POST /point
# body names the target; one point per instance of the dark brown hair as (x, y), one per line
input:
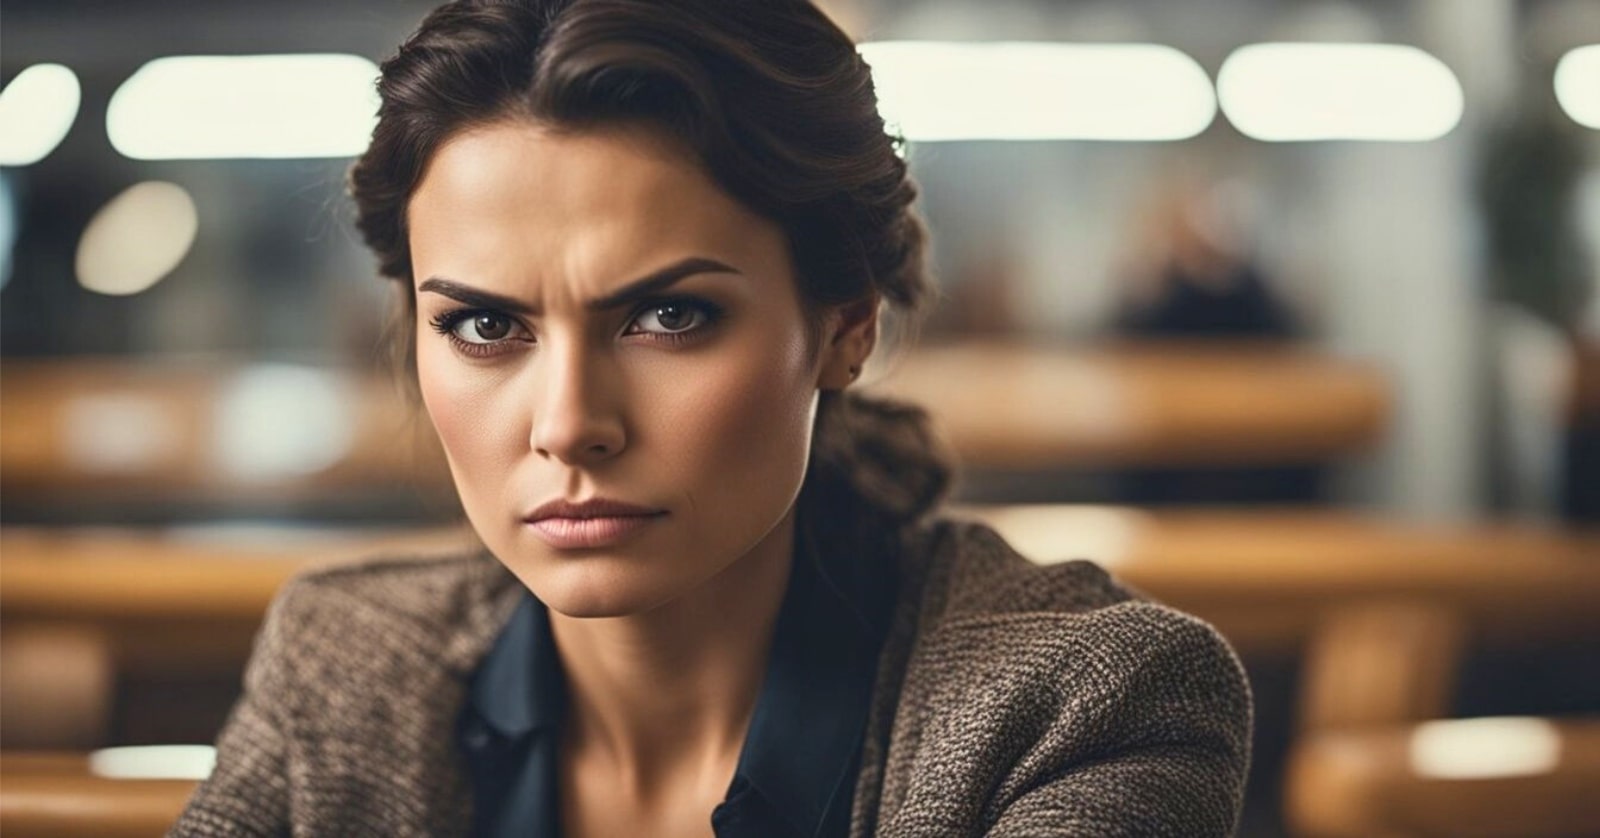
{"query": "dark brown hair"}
(770, 97)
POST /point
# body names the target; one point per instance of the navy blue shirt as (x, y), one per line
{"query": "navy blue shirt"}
(797, 769)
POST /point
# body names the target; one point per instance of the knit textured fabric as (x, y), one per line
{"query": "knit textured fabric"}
(1012, 699)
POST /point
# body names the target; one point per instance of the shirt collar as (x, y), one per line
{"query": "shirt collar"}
(802, 747)
(519, 686)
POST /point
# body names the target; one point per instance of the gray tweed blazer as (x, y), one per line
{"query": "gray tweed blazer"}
(1012, 699)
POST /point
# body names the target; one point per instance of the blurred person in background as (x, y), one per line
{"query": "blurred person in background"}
(1196, 280)
(1529, 173)
(642, 249)
(1193, 279)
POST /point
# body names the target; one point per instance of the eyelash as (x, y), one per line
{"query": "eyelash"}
(445, 323)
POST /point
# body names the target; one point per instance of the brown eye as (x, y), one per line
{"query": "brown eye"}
(484, 328)
(490, 327)
(670, 318)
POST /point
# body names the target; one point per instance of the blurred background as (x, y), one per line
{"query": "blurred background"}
(1286, 311)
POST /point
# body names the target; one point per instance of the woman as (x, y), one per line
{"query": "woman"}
(644, 246)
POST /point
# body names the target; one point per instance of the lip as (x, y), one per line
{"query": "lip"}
(597, 522)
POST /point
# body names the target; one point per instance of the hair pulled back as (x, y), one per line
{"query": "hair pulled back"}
(774, 102)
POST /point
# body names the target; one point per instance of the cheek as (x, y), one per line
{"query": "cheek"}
(472, 417)
(742, 428)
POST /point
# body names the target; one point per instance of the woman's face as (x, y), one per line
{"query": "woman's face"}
(596, 319)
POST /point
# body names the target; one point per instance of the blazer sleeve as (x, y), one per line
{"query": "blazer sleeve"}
(1158, 747)
(247, 793)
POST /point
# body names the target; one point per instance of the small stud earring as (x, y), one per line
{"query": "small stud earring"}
(855, 372)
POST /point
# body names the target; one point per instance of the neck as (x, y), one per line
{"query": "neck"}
(676, 686)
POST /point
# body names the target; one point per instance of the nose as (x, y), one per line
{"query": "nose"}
(574, 418)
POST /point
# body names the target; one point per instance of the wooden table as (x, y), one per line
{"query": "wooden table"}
(191, 599)
(90, 431)
(77, 432)
(1267, 578)
(1013, 406)
(45, 795)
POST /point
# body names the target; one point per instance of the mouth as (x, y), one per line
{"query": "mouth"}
(598, 522)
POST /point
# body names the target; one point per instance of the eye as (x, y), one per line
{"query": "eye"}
(480, 332)
(671, 317)
(483, 327)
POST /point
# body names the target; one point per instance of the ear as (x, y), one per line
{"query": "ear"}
(850, 334)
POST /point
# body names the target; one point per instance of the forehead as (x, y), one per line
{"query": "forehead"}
(513, 201)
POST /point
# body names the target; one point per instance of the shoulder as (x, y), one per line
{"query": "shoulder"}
(1043, 644)
(969, 570)
(1021, 674)
(1051, 620)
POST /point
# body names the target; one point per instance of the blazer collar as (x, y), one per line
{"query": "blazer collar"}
(489, 597)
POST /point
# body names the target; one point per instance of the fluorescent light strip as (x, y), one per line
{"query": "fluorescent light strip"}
(939, 91)
(1291, 92)
(252, 106)
(1578, 85)
(37, 109)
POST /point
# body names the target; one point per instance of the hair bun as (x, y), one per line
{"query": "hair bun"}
(883, 452)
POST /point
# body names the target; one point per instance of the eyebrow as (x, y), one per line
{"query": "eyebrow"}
(638, 289)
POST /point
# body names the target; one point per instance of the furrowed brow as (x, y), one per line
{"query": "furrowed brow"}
(474, 297)
(638, 289)
(657, 281)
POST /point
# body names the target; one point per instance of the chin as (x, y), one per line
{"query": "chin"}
(595, 588)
